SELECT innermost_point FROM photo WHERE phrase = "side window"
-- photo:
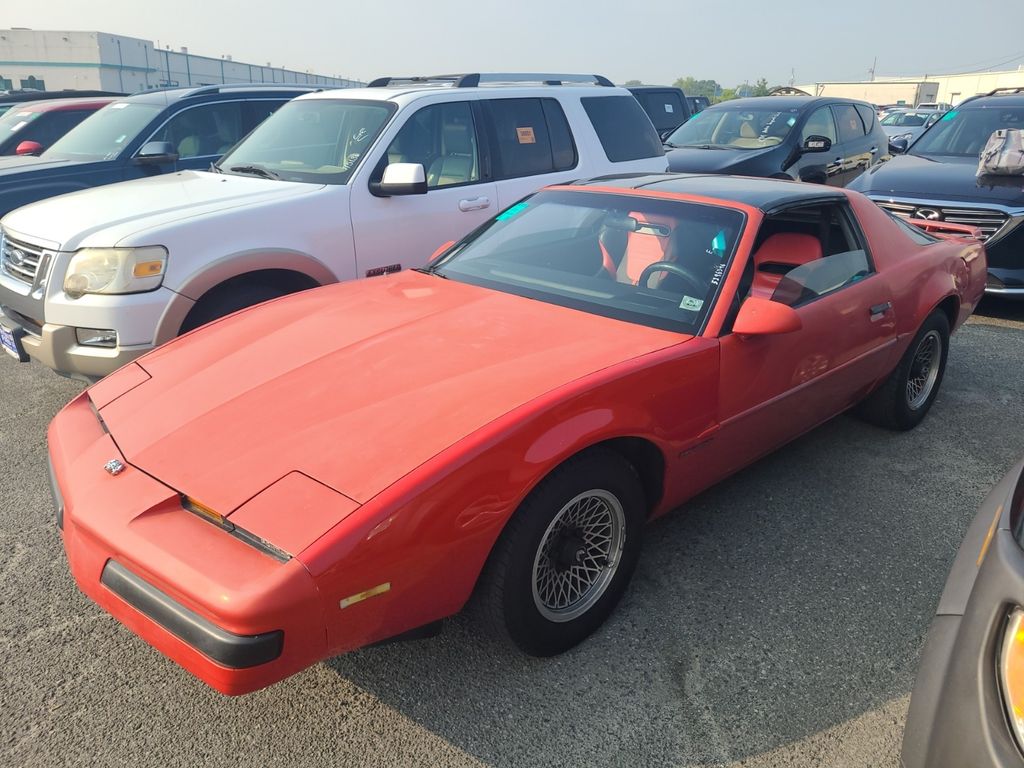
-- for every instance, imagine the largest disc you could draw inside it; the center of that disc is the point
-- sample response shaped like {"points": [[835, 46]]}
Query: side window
{"points": [[441, 138], [208, 130], [522, 146], [622, 126], [867, 114], [820, 123], [48, 128], [851, 127], [563, 148], [806, 253]]}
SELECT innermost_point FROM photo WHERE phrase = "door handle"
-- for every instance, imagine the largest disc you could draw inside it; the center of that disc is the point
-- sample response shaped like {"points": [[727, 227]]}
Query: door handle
{"points": [[881, 309], [873, 150], [476, 204]]}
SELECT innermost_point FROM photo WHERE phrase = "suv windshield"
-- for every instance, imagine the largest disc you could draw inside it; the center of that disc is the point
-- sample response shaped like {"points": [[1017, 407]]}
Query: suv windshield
{"points": [[732, 127], [104, 135], [964, 132], [313, 140], [643, 260], [908, 119]]}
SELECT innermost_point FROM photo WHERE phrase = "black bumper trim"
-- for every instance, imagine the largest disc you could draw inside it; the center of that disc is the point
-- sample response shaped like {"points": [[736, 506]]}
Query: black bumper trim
{"points": [[58, 499], [226, 648]]}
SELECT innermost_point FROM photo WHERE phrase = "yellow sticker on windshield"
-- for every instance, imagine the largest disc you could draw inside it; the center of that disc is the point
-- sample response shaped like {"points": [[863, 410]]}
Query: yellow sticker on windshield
{"points": [[526, 136]]}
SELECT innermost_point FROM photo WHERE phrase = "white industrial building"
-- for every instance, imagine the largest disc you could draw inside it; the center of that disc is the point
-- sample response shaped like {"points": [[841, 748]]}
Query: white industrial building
{"points": [[50, 60], [948, 89]]}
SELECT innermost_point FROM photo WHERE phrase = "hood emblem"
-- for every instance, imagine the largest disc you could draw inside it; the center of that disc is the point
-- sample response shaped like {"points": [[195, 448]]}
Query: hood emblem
{"points": [[929, 214], [114, 467], [16, 257]]}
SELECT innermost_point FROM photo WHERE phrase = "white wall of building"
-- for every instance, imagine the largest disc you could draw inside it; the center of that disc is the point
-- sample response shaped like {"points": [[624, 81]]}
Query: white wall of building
{"points": [[99, 60], [949, 89]]}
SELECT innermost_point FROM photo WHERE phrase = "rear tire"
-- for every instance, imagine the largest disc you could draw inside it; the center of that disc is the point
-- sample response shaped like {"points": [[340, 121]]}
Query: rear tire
{"points": [[566, 556], [905, 398]]}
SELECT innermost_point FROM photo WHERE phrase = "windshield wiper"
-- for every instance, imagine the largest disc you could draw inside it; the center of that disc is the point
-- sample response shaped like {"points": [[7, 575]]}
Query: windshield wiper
{"points": [[214, 168], [255, 170], [430, 271], [670, 144]]}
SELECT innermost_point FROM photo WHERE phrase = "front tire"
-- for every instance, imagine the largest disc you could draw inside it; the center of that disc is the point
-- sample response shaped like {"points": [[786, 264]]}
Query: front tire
{"points": [[905, 398], [566, 556]]}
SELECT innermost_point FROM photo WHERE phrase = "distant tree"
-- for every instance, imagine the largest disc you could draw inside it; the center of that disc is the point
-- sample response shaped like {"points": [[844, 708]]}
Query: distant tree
{"points": [[760, 87], [631, 83], [693, 87], [726, 94]]}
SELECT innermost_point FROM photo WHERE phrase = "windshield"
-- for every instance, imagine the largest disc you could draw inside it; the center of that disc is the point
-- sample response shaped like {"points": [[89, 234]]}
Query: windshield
{"points": [[14, 120], [313, 140], [648, 261], [964, 132], [105, 134], [735, 128], [908, 119]]}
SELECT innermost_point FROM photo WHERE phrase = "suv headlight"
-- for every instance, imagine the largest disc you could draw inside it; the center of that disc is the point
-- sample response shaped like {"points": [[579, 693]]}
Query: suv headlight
{"points": [[115, 270]]}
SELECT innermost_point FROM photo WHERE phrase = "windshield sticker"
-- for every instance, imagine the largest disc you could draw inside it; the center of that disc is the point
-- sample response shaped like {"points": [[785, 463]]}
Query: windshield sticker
{"points": [[22, 114], [526, 135], [515, 210], [120, 138], [950, 115], [717, 277], [718, 244], [119, 105], [668, 108], [691, 304], [791, 122], [19, 126], [767, 126]]}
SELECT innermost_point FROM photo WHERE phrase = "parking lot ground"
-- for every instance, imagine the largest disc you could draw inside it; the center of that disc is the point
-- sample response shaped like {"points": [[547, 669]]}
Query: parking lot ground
{"points": [[776, 619]]}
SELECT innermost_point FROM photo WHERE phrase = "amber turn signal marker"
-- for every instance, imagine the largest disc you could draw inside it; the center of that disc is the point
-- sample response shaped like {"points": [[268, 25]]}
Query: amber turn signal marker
{"points": [[148, 269], [380, 589], [1011, 672]]}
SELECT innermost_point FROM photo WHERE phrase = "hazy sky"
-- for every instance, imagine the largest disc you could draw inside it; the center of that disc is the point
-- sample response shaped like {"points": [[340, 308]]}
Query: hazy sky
{"points": [[623, 39]]}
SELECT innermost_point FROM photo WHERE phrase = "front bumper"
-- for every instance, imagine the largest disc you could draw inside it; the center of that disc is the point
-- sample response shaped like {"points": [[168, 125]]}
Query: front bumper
{"points": [[225, 611], [956, 715]]}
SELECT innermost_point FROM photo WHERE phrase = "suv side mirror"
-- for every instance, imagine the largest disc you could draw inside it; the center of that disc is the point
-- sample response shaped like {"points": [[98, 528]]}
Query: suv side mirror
{"points": [[898, 146], [816, 143], [155, 153], [762, 317], [401, 179], [28, 148]]}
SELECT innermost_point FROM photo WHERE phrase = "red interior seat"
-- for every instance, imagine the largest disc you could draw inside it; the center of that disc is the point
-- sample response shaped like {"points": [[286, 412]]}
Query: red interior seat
{"points": [[777, 255]]}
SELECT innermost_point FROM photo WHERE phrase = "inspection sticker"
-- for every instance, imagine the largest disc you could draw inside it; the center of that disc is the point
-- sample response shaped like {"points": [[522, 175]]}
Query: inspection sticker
{"points": [[691, 303], [515, 210], [526, 135]]}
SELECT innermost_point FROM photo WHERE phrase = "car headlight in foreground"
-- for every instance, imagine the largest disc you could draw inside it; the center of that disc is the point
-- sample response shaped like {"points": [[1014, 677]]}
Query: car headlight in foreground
{"points": [[1011, 672], [115, 270]]}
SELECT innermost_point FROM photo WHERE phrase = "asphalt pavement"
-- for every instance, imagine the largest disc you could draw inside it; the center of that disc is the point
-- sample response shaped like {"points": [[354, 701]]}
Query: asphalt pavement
{"points": [[777, 619]]}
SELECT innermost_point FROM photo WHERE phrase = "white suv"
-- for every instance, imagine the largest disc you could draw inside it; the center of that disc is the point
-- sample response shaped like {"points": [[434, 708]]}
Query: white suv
{"points": [[334, 185]]}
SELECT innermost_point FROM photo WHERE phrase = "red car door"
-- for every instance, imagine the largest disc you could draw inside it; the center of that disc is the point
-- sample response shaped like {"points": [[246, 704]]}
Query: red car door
{"points": [[773, 388]]}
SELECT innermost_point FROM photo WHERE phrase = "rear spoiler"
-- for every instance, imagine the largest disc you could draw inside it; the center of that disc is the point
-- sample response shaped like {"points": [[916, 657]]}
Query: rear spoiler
{"points": [[946, 230]]}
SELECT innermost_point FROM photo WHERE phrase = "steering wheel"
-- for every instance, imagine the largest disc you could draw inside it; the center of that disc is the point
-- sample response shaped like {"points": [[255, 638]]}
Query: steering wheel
{"points": [[699, 286]]}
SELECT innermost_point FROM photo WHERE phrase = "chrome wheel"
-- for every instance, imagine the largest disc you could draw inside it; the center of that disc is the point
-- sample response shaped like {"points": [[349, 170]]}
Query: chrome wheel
{"points": [[578, 555], [924, 370]]}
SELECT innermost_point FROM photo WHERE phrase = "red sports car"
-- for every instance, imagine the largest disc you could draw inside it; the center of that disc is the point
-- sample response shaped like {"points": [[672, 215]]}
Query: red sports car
{"points": [[354, 463]]}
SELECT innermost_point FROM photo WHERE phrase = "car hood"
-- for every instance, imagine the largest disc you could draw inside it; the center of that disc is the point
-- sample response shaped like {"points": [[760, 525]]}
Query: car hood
{"points": [[927, 178], [103, 216], [353, 384], [696, 160], [13, 164]]}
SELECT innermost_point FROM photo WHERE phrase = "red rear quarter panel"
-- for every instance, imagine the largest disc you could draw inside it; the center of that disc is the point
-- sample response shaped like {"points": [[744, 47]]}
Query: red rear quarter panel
{"points": [[921, 276]]}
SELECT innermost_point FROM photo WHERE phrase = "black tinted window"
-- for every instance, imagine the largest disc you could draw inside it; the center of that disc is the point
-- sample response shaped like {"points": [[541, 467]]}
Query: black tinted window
{"points": [[665, 108], [851, 127], [625, 130], [563, 149], [867, 114], [528, 137]]}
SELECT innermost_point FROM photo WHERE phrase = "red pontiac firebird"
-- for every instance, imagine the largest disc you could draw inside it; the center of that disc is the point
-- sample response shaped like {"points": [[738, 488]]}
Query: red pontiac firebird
{"points": [[354, 463]]}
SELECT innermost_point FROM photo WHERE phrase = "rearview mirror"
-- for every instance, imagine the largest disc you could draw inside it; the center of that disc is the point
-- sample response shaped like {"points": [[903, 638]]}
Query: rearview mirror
{"points": [[817, 144], [898, 146], [28, 148], [156, 153], [401, 179], [762, 317]]}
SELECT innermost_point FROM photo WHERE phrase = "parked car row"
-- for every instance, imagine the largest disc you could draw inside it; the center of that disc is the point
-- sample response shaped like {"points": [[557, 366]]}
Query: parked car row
{"points": [[211, 490]]}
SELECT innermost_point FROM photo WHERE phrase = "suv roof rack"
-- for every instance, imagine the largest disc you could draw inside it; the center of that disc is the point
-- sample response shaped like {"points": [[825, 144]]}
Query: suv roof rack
{"points": [[474, 79], [1005, 89], [220, 87], [787, 90]]}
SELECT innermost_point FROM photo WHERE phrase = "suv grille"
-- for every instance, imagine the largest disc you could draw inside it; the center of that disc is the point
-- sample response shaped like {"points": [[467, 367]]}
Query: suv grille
{"points": [[988, 220], [20, 260]]}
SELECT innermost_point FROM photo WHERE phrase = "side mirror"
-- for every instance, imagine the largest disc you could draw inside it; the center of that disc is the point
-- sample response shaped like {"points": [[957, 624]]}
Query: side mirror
{"points": [[761, 317], [155, 153], [898, 146], [28, 148], [401, 179], [817, 144]]}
